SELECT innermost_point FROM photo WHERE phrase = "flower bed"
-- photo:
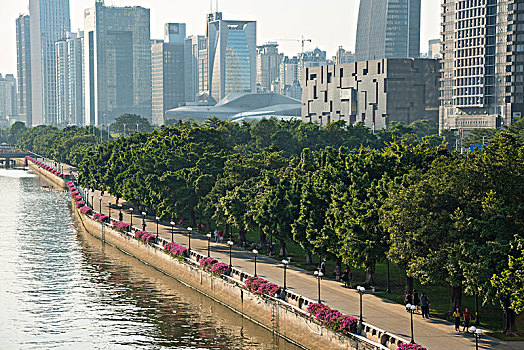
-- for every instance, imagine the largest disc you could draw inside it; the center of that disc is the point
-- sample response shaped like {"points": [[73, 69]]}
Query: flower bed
{"points": [[261, 286], [333, 319], [410, 347], [120, 226], [207, 262], [175, 249], [75, 193], [100, 217], [85, 210], [80, 204], [219, 269], [144, 236], [78, 198]]}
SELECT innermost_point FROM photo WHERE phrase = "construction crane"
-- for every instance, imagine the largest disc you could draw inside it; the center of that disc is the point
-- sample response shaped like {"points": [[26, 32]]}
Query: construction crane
{"points": [[303, 41]]}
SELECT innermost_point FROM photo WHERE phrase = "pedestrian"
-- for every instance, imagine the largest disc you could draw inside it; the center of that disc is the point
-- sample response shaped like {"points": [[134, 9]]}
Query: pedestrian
{"points": [[408, 300], [216, 235], [424, 305], [350, 276], [467, 319], [456, 314], [416, 299], [143, 224], [120, 216], [181, 222], [323, 267], [220, 236], [337, 273]]}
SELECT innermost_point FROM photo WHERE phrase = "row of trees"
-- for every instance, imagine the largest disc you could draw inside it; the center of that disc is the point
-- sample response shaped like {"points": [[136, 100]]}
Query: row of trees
{"points": [[339, 192]]}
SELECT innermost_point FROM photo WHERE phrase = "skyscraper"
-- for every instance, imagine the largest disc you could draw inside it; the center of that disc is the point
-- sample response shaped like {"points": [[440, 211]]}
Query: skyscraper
{"points": [[23, 67], [8, 96], [168, 78], [195, 61], [117, 53], [231, 56], [69, 78], [268, 65], [483, 64], [388, 29], [175, 33], [49, 21]]}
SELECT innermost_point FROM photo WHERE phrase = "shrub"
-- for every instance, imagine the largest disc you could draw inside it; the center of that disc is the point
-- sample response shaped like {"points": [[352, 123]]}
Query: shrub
{"points": [[175, 249], [219, 269], [85, 210], [261, 286], [80, 204], [410, 347], [120, 226], [207, 262], [144, 236], [333, 319], [100, 217]]}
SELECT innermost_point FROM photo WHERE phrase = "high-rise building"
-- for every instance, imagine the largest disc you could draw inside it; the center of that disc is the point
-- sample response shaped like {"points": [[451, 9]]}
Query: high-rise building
{"points": [[69, 78], [388, 29], [289, 81], [168, 78], [268, 65], [49, 21], [231, 56], [175, 33], [483, 64], [8, 96], [343, 56], [117, 53], [195, 61], [434, 49], [23, 67]]}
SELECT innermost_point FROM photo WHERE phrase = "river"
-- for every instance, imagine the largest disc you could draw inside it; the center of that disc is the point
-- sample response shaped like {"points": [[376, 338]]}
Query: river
{"points": [[60, 288]]}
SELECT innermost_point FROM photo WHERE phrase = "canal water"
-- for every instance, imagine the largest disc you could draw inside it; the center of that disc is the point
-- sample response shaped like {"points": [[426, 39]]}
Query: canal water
{"points": [[60, 288]]}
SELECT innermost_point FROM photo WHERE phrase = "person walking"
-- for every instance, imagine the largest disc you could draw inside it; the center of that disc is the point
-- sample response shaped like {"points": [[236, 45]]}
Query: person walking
{"points": [[323, 267], [120, 216], [337, 273], [143, 224], [416, 299], [220, 236], [424, 305], [216, 235], [408, 300], [456, 314], [467, 319]]}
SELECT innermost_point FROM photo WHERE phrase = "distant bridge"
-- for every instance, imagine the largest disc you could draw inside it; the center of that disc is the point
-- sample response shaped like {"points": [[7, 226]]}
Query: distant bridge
{"points": [[8, 154]]}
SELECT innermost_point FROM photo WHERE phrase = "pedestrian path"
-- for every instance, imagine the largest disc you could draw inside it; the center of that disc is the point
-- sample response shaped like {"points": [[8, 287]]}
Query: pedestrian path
{"points": [[387, 315]]}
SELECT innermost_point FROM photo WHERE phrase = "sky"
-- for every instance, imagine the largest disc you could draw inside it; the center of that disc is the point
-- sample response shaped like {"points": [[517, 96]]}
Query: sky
{"points": [[329, 23]]}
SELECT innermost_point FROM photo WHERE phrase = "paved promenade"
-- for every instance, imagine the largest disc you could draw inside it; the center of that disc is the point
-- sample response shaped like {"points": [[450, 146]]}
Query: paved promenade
{"points": [[392, 317]]}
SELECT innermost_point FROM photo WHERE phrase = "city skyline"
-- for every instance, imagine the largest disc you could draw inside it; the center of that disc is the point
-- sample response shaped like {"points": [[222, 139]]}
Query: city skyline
{"points": [[305, 22]]}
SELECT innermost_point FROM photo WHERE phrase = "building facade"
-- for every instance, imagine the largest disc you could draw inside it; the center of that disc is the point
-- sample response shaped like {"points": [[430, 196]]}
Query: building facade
{"points": [[195, 61], [69, 78], [343, 56], [23, 67], [483, 63], [175, 33], [49, 22], [168, 78], [289, 82], [375, 92], [231, 56], [8, 96], [388, 29], [117, 47], [268, 66], [434, 49]]}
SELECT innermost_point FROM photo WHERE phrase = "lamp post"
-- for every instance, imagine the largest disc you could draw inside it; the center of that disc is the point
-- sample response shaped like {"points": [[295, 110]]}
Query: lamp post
{"points": [[208, 244], [361, 291], [120, 216], [411, 309], [100, 205], [477, 333], [256, 253], [157, 218], [131, 227], [189, 230], [319, 275], [144, 220], [124, 130], [93, 201], [137, 128], [285, 263], [172, 229], [109, 206], [230, 244]]}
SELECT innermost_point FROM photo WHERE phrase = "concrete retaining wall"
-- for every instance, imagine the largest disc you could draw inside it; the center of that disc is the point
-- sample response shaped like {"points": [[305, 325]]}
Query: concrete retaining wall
{"points": [[287, 320], [51, 177]]}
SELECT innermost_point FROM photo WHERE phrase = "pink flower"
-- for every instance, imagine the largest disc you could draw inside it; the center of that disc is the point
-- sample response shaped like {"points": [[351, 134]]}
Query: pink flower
{"points": [[207, 262], [261, 286], [220, 269], [85, 210]]}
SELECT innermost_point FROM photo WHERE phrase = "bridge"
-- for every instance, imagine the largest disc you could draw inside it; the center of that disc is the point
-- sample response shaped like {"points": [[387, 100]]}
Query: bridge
{"points": [[8, 154]]}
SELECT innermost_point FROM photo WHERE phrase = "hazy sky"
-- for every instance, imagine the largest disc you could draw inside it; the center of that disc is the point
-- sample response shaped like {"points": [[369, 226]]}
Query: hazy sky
{"points": [[328, 23]]}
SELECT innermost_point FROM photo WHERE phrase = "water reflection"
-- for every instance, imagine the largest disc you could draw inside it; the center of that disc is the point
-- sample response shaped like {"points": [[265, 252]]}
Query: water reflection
{"points": [[63, 289]]}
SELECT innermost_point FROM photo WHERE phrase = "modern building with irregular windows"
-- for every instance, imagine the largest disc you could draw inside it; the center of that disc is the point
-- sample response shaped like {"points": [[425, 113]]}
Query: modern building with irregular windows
{"points": [[388, 29], [232, 56], [50, 22], [483, 63], [117, 63]]}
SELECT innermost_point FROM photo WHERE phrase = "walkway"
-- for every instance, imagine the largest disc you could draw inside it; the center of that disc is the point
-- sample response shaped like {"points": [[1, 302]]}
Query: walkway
{"points": [[392, 317]]}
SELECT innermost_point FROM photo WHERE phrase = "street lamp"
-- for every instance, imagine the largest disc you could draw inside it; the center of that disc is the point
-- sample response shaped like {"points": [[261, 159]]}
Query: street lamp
{"points": [[120, 216], [93, 201], [137, 128], [157, 218], [361, 291], [208, 244], [172, 230], [144, 220], [411, 309], [189, 230], [319, 275], [230, 244], [109, 206], [285, 263], [477, 333], [100, 205], [124, 130], [256, 253], [131, 227]]}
